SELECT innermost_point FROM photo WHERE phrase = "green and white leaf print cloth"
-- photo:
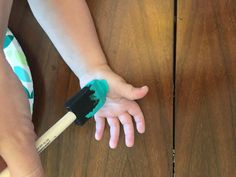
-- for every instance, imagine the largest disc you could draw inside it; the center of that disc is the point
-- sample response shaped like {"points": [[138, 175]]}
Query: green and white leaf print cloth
{"points": [[16, 58]]}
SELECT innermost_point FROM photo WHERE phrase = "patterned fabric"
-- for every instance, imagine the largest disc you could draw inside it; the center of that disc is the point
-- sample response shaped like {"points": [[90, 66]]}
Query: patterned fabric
{"points": [[17, 60]]}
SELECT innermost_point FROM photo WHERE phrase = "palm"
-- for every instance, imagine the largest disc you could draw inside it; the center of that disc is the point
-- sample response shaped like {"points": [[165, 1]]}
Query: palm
{"points": [[120, 107], [114, 107]]}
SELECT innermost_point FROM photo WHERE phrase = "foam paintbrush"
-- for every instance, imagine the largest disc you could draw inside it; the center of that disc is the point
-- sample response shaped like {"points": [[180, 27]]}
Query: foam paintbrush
{"points": [[81, 107]]}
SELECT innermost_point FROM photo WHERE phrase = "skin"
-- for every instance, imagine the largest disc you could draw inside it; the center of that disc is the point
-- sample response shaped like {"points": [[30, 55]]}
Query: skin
{"points": [[79, 46], [17, 137]]}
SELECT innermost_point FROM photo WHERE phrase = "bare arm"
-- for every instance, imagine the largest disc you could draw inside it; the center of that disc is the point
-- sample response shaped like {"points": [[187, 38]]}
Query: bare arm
{"points": [[5, 8], [17, 138], [70, 27]]}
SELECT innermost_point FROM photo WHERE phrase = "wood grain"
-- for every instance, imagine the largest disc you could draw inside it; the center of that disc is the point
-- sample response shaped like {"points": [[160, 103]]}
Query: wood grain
{"points": [[137, 37], [206, 89]]}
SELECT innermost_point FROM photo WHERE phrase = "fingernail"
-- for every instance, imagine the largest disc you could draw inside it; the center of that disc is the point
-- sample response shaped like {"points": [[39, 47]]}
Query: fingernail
{"points": [[140, 128], [129, 142], [129, 145], [144, 87], [97, 137], [112, 145]]}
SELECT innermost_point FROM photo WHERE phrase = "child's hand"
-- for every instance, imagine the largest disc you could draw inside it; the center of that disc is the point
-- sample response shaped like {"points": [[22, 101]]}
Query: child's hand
{"points": [[120, 106]]}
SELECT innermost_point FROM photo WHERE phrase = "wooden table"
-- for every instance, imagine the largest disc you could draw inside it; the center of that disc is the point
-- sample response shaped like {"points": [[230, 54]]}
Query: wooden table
{"points": [[185, 51], [206, 89]]}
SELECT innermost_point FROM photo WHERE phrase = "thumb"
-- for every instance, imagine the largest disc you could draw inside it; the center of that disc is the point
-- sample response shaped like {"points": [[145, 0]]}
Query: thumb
{"points": [[22, 158], [130, 92]]}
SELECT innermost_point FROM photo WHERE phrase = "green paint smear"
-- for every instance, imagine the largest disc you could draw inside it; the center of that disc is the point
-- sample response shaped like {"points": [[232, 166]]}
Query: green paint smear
{"points": [[101, 88]]}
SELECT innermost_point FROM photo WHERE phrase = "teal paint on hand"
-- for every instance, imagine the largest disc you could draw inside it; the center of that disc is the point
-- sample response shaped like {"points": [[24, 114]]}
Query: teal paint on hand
{"points": [[7, 41], [22, 74], [100, 88]]}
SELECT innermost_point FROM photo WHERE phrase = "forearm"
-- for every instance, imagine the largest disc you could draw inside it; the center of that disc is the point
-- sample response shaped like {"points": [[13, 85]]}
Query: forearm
{"points": [[16, 129], [70, 27], [5, 9], [11, 91], [5, 70], [9, 84], [15, 107]]}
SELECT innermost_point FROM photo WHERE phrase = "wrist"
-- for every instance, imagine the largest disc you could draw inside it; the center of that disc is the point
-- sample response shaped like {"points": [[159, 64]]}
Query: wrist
{"points": [[83, 65], [96, 72]]}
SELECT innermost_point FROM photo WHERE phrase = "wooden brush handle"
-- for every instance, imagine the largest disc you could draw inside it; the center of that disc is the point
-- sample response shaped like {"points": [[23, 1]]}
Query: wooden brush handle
{"points": [[50, 135], [54, 131]]}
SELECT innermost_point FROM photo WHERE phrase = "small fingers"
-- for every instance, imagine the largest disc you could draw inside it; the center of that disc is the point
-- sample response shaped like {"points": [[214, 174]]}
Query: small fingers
{"points": [[137, 114], [100, 125], [114, 131], [128, 126]]}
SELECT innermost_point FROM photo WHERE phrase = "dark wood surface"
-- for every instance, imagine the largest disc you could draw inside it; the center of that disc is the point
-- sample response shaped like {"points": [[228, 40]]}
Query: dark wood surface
{"points": [[137, 37], [206, 89]]}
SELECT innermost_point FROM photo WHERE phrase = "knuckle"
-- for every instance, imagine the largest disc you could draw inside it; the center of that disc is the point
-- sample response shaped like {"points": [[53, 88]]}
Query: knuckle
{"points": [[126, 121], [114, 124]]}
